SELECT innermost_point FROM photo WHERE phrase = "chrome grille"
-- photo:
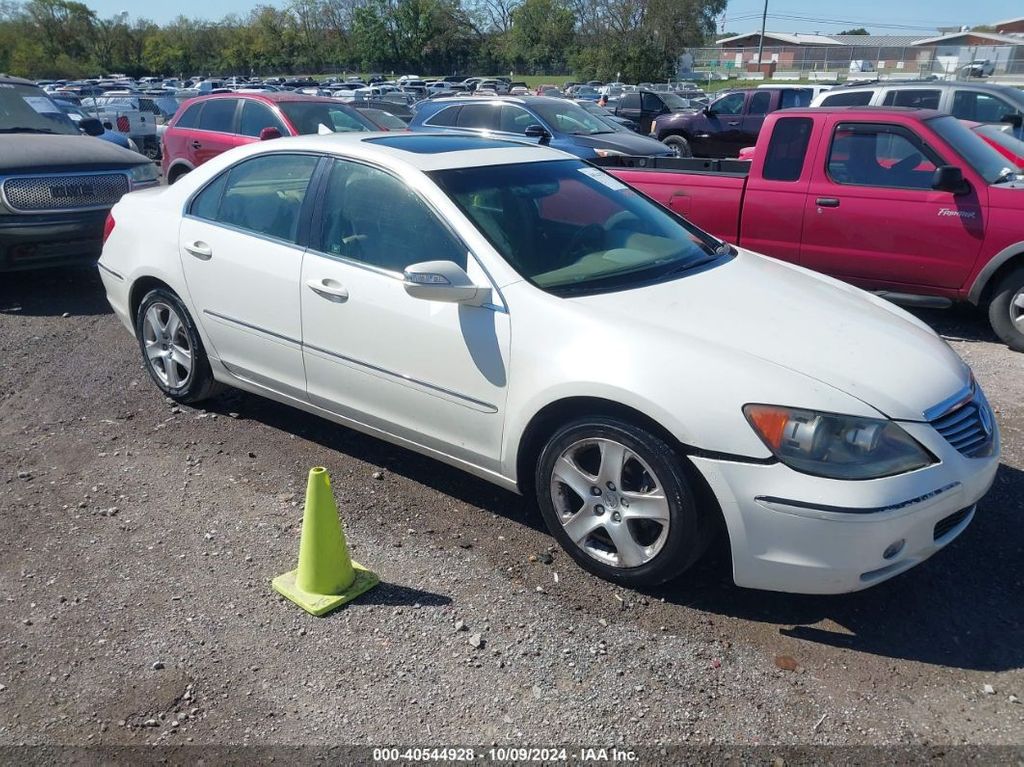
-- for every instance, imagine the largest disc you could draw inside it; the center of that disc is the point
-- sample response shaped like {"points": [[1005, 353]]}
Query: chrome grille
{"points": [[969, 427], [37, 194]]}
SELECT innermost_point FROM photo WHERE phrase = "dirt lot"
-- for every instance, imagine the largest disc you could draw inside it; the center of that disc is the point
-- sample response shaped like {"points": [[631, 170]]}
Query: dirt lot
{"points": [[140, 539]]}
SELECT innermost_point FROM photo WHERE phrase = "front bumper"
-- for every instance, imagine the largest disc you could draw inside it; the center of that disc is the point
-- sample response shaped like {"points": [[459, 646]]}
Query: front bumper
{"points": [[797, 533], [52, 239]]}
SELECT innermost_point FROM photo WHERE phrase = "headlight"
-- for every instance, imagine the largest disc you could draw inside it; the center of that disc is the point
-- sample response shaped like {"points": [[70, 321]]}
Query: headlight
{"points": [[609, 153], [836, 446], [144, 174]]}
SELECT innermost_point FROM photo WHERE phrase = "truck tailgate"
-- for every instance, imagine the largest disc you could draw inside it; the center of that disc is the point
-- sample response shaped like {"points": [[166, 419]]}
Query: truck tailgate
{"points": [[710, 200]]}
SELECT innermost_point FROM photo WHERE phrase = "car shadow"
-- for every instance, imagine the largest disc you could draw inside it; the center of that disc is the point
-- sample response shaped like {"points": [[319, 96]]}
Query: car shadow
{"points": [[75, 291], [958, 323], [963, 608]]}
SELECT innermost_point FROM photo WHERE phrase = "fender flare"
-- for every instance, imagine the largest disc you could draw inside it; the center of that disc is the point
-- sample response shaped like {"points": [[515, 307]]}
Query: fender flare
{"points": [[180, 164], [994, 264]]}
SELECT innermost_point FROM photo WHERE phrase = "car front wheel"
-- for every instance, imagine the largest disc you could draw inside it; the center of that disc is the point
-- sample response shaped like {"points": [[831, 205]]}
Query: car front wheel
{"points": [[172, 350], [1006, 310], [679, 146], [617, 498]]}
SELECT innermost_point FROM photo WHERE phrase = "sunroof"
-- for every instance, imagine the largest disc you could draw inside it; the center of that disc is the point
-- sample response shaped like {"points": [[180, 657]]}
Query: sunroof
{"points": [[424, 144]]}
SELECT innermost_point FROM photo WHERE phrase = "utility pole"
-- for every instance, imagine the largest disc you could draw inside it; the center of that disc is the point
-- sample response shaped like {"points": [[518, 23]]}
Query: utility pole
{"points": [[760, 41]]}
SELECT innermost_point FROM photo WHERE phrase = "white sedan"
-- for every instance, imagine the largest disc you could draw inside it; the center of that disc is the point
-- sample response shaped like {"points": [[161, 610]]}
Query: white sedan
{"points": [[519, 314]]}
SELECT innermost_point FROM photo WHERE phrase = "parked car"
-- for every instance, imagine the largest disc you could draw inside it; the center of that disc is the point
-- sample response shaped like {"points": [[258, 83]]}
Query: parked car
{"points": [[643, 106], [208, 125], [1002, 139], [83, 122], [727, 124], [722, 398], [607, 115], [56, 185], [979, 102], [560, 123], [978, 68], [909, 203]]}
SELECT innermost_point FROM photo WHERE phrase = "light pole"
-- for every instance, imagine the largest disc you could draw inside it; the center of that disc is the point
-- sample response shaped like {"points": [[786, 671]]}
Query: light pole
{"points": [[760, 40]]}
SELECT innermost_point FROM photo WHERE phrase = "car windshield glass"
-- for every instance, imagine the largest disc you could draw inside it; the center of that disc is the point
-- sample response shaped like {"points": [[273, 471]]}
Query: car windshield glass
{"points": [[27, 109], [567, 117], [672, 101], [570, 228], [991, 165], [1003, 137], [308, 116]]}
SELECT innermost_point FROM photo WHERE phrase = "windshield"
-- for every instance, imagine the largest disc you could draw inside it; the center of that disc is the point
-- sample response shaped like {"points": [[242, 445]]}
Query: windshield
{"points": [[308, 116], [1001, 136], [674, 102], [567, 117], [27, 109], [570, 228], [991, 165]]}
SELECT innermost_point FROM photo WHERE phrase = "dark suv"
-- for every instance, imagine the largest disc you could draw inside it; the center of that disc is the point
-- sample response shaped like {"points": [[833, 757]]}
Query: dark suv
{"points": [[56, 185], [728, 124]]}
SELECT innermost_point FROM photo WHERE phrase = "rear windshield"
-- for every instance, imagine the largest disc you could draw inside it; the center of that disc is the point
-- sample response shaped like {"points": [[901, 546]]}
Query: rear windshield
{"points": [[27, 109], [570, 228]]}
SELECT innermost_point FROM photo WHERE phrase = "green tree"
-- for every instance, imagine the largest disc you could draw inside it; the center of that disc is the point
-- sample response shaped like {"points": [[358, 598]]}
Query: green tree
{"points": [[855, 31], [541, 36]]}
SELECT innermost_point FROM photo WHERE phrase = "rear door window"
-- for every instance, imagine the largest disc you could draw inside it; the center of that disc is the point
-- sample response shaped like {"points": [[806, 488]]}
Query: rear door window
{"points": [[218, 115], [445, 118], [913, 97], [479, 117], [852, 99], [787, 149]]}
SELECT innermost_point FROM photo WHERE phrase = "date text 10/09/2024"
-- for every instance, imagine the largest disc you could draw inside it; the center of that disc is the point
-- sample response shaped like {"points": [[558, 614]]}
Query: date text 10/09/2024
{"points": [[504, 754]]}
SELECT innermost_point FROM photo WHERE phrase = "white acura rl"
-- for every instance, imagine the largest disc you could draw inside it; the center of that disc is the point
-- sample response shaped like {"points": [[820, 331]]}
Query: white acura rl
{"points": [[517, 313]]}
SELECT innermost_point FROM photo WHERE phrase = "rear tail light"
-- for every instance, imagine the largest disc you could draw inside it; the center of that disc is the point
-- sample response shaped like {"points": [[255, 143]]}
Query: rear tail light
{"points": [[122, 124], [108, 227]]}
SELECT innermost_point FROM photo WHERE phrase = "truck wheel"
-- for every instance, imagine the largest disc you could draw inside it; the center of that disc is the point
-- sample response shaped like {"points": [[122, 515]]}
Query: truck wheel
{"points": [[1006, 310], [618, 500], [171, 348], [679, 145]]}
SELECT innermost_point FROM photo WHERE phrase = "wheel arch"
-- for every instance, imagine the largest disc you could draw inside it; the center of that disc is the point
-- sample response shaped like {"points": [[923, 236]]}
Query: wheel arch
{"points": [[140, 287], [177, 169], [1002, 262]]}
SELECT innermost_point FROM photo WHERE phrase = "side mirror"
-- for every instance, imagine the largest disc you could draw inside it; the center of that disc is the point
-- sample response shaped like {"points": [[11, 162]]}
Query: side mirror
{"points": [[949, 178], [538, 131], [443, 281], [91, 126], [266, 134], [1016, 120]]}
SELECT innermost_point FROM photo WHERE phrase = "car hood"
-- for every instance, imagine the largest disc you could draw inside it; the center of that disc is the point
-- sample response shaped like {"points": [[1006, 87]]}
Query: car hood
{"points": [[41, 153], [810, 324], [627, 143]]}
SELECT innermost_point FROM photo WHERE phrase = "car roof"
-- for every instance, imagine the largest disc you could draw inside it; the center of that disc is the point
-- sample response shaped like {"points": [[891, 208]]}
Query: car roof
{"points": [[11, 80], [928, 85], [915, 113], [422, 151], [268, 96], [523, 100]]}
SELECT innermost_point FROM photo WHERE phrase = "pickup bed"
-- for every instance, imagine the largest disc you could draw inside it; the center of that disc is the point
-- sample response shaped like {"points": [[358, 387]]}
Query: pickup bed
{"points": [[908, 203]]}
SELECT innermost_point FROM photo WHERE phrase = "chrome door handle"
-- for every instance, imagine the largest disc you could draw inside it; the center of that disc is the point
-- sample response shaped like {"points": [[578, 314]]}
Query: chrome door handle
{"points": [[737, 122], [200, 250], [332, 290]]}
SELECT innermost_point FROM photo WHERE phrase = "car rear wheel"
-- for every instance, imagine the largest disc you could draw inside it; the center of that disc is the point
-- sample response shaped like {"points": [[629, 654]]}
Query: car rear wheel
{"points": [[617, 498], [1006, 310], [172, 350], [679, 145], [176, 174]]}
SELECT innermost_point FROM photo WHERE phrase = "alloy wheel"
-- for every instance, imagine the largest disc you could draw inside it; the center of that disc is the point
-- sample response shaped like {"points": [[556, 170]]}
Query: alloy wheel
{"points": [[167, 345], [610, 502], [1017, 310]]}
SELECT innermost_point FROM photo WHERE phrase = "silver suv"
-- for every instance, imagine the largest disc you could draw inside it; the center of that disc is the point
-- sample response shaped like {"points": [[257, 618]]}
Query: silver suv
{"points": [[980, 102]]}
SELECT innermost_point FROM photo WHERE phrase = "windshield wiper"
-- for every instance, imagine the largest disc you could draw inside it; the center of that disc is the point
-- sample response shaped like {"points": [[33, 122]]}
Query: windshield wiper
{"points": [[25, 129]]}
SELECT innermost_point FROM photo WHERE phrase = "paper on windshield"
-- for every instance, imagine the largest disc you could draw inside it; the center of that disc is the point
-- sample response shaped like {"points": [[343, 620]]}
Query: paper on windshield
{"points": [[41, 104]]}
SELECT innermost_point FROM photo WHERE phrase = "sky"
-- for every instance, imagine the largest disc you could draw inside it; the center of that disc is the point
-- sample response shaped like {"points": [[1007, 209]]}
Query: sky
{"points": [[881, 17]]}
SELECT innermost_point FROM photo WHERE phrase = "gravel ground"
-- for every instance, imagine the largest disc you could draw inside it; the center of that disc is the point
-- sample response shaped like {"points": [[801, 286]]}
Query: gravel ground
{"points": [[141, 538]]}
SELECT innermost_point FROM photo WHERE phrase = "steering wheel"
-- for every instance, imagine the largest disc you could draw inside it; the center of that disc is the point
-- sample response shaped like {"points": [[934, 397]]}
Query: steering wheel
{"points": [[591, 234], [619, 219]]}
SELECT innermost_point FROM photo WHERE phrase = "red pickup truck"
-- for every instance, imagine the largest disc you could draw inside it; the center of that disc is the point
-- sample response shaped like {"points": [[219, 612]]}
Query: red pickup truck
{"points": [[908, 203]]}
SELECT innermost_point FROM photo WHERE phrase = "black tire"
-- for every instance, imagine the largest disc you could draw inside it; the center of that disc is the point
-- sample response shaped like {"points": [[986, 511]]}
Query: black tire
{"points": [[199, 384], [689, 529], [1003, 309], [679, 145]]}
